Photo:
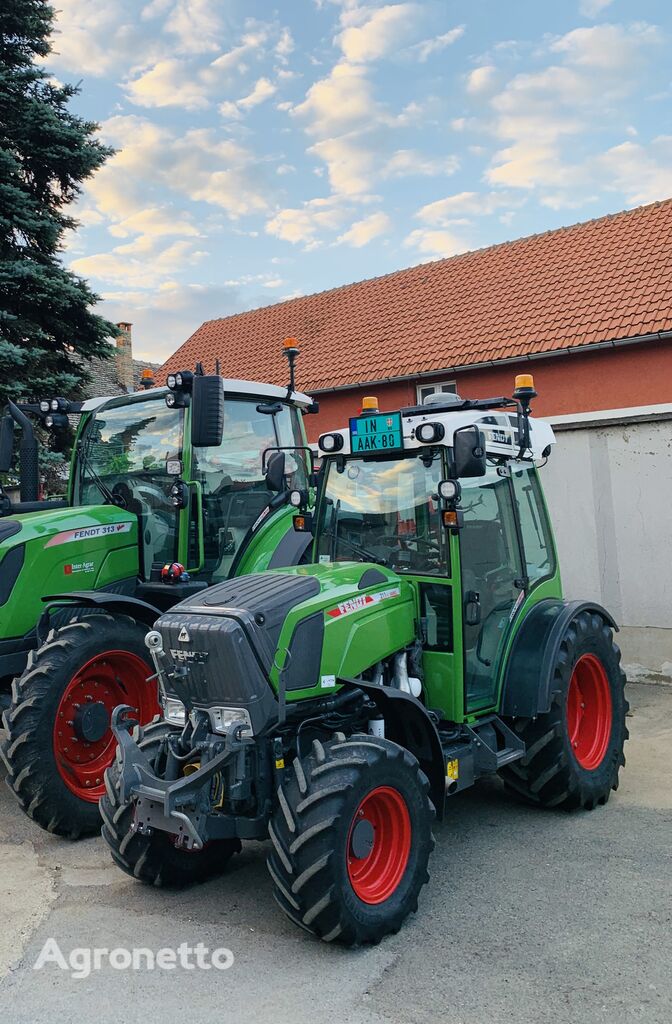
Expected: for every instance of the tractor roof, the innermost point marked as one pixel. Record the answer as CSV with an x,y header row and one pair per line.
x,y
231,387
499,427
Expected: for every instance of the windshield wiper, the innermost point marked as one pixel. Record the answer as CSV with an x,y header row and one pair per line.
x,y
88,465
368,555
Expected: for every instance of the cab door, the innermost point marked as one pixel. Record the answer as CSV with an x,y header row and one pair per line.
x,y
492,581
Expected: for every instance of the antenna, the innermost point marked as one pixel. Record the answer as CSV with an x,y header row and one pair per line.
x,y
290,347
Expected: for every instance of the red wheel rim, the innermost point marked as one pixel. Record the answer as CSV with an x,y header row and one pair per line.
x,y
589,712
109,679
376,875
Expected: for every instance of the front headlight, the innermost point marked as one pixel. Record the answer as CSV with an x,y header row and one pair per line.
x,y
222,719
174,711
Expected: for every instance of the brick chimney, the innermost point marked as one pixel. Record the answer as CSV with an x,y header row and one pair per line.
x,y
125,357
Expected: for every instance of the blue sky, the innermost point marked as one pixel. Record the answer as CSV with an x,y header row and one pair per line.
x,y
272,150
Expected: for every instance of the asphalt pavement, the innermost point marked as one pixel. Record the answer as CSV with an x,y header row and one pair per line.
x,y
530,917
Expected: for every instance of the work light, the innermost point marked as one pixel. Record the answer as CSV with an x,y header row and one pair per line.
x,y
430,433
331,442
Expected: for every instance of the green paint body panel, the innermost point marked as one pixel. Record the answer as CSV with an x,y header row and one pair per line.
x,y
65,550
364,627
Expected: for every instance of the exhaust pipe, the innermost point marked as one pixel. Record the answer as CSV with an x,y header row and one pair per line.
x,y
29,473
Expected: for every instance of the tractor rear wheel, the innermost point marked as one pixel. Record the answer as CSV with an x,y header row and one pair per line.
x,y
575,751
59,740
351,837
155,859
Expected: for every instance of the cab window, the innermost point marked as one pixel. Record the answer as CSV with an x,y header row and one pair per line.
x,y
536,534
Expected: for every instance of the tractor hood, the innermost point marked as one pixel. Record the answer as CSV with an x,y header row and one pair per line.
x,y
60,550
313,623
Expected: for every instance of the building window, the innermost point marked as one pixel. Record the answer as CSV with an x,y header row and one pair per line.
x,y
448,387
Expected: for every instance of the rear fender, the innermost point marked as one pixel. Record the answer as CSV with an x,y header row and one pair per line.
x,y
115,604
408,723
529,674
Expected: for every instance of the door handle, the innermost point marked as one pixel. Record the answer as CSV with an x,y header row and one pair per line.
x,y
472,608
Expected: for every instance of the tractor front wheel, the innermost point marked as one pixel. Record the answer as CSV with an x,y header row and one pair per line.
x,y
351,837
575,751
59,740
155,859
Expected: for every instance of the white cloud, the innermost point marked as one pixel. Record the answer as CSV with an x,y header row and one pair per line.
x,y
350,161
305,223
611,48
95,37
364,231
196,24
154,222
274,282
642,175
284,45
175,81
141,264
408,162
427,47
481,80
435,243
536,111
444,212
383,31
338,103
285,169
198,165
169,83
591,8
263,90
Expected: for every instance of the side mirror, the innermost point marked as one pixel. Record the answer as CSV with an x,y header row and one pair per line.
x,y
207,411
275,472
469,452
6,443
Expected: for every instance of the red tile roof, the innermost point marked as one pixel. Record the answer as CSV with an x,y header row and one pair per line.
x,y
602,280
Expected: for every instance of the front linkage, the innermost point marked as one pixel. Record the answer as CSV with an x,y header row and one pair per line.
x,y
198,767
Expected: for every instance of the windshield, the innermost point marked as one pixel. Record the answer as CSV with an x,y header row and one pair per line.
x,y
122,458
386,512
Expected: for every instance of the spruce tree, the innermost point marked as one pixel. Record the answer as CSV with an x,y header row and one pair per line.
x,y
46,152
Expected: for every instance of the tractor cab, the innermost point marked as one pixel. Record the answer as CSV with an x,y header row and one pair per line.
x,y
446,495
196,503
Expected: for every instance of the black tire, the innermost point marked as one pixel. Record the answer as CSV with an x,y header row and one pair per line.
x,y
311,834
29,750
550,774
155,859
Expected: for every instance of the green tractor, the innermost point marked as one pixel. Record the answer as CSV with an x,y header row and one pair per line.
x,y
167,494
335,707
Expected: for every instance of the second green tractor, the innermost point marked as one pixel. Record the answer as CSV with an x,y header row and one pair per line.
x,y
334,708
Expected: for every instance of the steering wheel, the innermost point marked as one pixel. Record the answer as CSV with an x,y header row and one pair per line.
x,y
123,495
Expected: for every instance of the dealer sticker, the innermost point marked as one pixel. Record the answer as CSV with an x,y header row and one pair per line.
x,y
88,533
75,567
355,604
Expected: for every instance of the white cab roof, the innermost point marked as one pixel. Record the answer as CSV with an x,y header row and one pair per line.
x,y
500,429
231,387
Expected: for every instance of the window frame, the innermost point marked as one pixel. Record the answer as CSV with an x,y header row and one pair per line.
x,y
330,464
447,387
545,525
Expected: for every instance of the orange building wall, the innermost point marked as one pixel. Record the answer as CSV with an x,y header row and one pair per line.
x,y
614,378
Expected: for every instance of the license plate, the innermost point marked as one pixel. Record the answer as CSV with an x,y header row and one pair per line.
x,y
378,433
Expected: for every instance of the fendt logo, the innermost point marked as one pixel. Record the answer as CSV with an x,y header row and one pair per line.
x,y
87,533
184,637
355,604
